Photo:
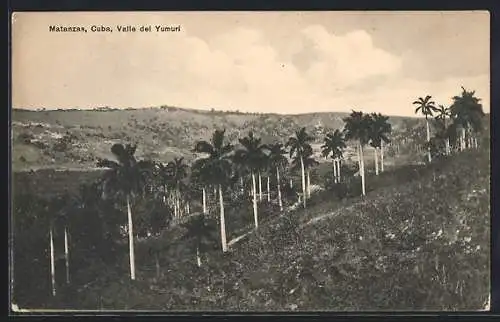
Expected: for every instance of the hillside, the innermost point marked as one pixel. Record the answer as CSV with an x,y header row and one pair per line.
x,y
399,248
76,138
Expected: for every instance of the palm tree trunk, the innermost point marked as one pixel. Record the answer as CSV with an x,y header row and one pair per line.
x,y
376,161
157,264
268,190
308,184
222,221
362,169
462,140
204,201
339,165
198,258
359,158
242,185
188,208
260,187
66,253
254,190
291,183
131,240
279,188
428,140
382,156
178,198
172,200
52,262
448,146
335,170
303,181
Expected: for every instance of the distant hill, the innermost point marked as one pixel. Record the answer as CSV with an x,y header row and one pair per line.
x,y
76,138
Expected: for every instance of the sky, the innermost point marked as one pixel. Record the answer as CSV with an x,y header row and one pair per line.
x,y
279,62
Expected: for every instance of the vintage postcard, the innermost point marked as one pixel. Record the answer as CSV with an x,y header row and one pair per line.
x,y
250,161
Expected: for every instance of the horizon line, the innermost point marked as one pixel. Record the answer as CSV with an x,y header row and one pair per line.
x,y
196,110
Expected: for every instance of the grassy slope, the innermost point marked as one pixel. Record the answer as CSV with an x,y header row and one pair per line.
x,y
404,246
160,133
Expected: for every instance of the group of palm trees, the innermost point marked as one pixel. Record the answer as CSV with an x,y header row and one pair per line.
x,y
466,116
224,169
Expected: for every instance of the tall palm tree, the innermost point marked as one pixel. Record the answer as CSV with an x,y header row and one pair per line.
x,y
467,113
125,178
64,206
298,145
379,131
267,169
277,160
217,167
441,118
201,177
252,154
334,145
427,107
309,163
201,229
357,127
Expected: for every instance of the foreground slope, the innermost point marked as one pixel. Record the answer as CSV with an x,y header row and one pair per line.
x,y
420,242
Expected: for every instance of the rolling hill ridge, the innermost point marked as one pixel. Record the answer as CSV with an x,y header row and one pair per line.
x,y
76,138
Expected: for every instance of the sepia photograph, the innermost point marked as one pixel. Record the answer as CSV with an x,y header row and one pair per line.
x,y
264,161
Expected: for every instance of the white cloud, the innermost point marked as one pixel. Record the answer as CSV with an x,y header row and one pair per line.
x,y
239,69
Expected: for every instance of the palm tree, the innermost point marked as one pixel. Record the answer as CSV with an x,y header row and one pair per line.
x,y
309,162
426,106
252,155
65,205
334,145
467,113
277,160
357,127
201,177
177,173
201,229
441,118
379,130
124,178
298,146
217,168
52,217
